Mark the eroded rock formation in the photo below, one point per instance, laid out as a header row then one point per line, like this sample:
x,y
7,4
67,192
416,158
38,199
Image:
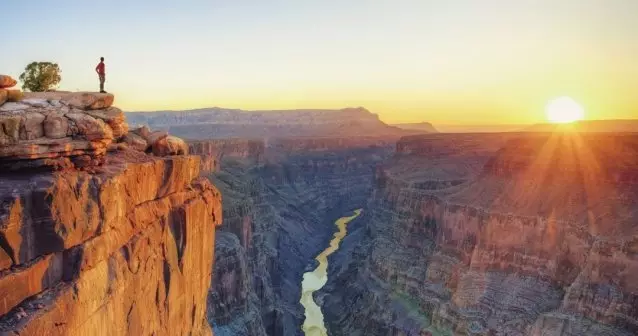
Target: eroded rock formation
x,y
212,152
122,246
279,212
462,237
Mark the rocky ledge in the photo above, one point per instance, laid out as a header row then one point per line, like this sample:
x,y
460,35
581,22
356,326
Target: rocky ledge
x,y
59,130
102,231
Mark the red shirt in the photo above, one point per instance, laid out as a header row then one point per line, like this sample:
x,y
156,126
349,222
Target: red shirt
x,y
100,68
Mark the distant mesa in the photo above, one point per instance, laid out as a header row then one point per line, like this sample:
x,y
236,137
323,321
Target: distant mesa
x,y
425,127
589,126
209,123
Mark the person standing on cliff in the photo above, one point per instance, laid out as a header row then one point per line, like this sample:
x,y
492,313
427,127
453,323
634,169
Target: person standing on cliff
x,y
101,73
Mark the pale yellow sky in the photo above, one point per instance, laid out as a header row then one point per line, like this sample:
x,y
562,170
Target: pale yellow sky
x,y
452,62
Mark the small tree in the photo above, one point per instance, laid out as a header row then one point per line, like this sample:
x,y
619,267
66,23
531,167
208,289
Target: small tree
x,y
41,76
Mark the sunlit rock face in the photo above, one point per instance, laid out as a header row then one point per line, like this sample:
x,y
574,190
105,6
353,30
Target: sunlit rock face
x,y
279,214
124,251
494,235
105,240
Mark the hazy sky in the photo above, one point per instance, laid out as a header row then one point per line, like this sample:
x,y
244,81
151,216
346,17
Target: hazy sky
x,y
452,61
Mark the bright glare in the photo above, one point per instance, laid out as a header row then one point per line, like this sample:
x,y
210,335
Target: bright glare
x,y
564,110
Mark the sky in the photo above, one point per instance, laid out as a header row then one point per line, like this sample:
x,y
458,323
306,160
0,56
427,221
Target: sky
x,y
447,62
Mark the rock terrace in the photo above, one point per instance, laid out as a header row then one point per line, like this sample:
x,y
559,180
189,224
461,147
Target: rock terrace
x,y
57,130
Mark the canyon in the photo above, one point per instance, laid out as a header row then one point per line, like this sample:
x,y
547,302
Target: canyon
x,y
279,209
107,228
460,234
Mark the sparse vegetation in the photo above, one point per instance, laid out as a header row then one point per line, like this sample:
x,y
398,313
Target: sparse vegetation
x,y
41,76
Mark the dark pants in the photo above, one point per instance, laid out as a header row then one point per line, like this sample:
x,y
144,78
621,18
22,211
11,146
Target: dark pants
x,y
102,79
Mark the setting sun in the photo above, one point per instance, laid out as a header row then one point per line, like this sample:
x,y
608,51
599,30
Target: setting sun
x,y
564,110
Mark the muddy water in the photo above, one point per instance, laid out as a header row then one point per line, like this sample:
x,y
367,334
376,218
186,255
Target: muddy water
x,y
313,281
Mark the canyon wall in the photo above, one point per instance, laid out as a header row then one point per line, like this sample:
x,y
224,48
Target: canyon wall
x,y
278,214
98,237
493,235
213,151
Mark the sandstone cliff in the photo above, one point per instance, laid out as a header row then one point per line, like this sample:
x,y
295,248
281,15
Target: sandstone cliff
x,y
536,238
97,237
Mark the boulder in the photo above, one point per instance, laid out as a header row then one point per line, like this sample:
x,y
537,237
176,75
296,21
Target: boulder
x,y
114,117
89,127
136,142
14,95
156,136
7,82
120,146
109,115
119,130
3,96
88,100
143,131
56,126
170,145
9,129
32,127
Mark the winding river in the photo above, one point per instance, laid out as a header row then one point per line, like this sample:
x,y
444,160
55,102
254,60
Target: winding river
x,y
313,281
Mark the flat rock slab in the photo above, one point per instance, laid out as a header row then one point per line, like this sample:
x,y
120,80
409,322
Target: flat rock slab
x,y
79,100
48,148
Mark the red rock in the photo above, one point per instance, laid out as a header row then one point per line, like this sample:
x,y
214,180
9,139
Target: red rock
x,y
7,82
9,129
136,142
156,136
14,95
125,251
56,126
3,96
32,126
89,127
88,100
170,145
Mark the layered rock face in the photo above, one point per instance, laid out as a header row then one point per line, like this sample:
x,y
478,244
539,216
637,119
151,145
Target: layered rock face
x,y
212,152
536,238
278,214
123,246
58,130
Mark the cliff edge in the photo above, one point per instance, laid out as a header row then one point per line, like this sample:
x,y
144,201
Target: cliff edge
x,y
102,231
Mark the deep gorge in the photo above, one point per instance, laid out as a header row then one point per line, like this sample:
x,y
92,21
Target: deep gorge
x,y
447,244
280,204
